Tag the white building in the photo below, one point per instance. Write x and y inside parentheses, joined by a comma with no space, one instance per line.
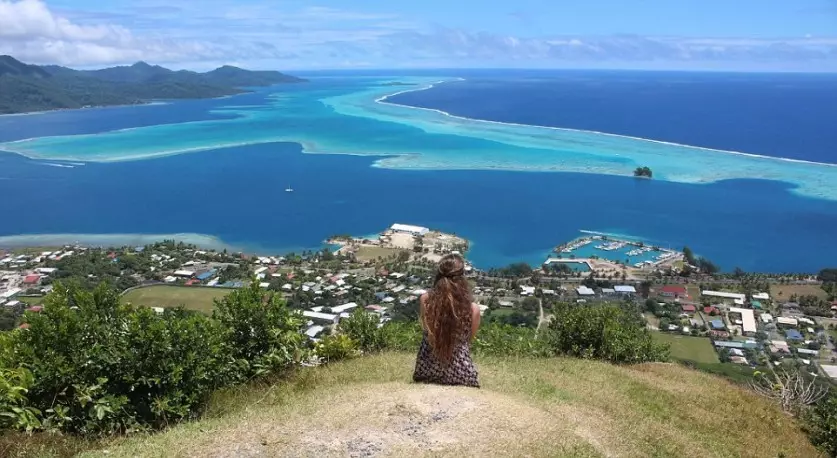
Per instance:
(737,298)
(766,318)
(761,296)
(184,273)
(46,270)
(343,308)
(625,289)
(322,317)
(170,279)
(748,320)
(415,230)
(527,290)
(584,291)
(783,320)
(260,270)
(313,331)
(10,293)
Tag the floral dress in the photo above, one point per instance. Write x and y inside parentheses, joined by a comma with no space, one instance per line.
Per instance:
(461,369)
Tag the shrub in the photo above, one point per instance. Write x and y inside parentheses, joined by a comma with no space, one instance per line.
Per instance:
(336,347)
(505,340)
(822,425)
(605,332)
(264,332)
(103,367)
(402,336)
(363,328)
(15,412)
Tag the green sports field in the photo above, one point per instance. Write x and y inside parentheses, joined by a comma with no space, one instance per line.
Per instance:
(192,298)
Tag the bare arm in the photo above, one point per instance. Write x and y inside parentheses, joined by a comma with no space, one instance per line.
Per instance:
(475,320)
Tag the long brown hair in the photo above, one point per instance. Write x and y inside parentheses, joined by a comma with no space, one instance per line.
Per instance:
(447,310)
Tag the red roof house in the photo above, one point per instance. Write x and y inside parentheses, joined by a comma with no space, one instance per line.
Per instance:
(36,309)
(24,326)
(688,308)
(31,279)
(710,309)
(192,282)
(673,291)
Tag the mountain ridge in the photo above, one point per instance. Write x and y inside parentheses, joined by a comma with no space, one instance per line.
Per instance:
(29,88)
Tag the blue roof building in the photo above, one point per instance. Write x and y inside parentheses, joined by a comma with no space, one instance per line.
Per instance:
(793,334)
(717,324)
(206,275)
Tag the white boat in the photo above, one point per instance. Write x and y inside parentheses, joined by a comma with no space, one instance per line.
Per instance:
(289,189)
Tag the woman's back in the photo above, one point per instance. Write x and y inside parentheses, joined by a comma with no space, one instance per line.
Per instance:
(449,322)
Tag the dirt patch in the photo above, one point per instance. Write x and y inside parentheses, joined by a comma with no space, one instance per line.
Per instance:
(399,420)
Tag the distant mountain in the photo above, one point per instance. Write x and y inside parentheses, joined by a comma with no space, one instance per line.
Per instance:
(25,88)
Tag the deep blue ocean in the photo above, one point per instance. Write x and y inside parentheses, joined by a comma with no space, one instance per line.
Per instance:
(236,193)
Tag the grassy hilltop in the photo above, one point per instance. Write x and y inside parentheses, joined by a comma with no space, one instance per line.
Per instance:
(531,407)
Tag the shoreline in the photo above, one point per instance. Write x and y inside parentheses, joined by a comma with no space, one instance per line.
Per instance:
(384,100)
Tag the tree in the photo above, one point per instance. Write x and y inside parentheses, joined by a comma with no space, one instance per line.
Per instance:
(643,172)
(790,390)
(689,256)
(822,425)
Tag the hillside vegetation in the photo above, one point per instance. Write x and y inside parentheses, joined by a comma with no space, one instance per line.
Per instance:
(27,88)
(534,407)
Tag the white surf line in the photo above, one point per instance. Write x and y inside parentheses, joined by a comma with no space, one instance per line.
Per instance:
(385,101)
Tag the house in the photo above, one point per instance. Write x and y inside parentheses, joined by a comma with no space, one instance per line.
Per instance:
(608,292)
(711,310)
(625,290)
(690,309)
(409,229)
(527,290)
(327,318)
(761,296)
(805,351)
(192,282)
(766,318)
(787,321)
(756,305)
(793,334)
(375,308)
(32,279)
(748,320)
(46,270)
(735,298)
(183,273)
(673,291)
(717,324)
(779,346)
(170,279)
(313,331)
(205,275)
(343,308)
(584,291)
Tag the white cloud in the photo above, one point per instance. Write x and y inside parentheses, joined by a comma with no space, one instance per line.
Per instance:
(30,31)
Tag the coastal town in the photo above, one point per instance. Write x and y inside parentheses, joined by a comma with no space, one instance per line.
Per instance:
(777,321)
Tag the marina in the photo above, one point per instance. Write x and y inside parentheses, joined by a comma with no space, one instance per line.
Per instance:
(630,253)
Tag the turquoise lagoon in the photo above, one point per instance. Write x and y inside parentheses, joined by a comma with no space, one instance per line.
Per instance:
(351,116)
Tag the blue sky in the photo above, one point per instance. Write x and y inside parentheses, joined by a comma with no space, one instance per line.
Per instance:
(784,35)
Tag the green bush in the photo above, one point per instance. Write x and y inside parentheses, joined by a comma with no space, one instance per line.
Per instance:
(103,367)
(402,336)
(505,340)
(605,332)
(263,331)
(822,425)
(363,328)
(100,367)
(15,413)
(335,347)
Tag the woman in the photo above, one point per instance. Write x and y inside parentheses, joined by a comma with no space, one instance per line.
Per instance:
(450,321)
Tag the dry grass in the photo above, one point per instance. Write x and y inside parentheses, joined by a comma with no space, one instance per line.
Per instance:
(527,407)
(372,253)
(783,293)
(192,298)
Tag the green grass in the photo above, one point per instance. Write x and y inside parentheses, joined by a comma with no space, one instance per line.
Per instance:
(31,300)
(192,298)
(531,407)
(687,348)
